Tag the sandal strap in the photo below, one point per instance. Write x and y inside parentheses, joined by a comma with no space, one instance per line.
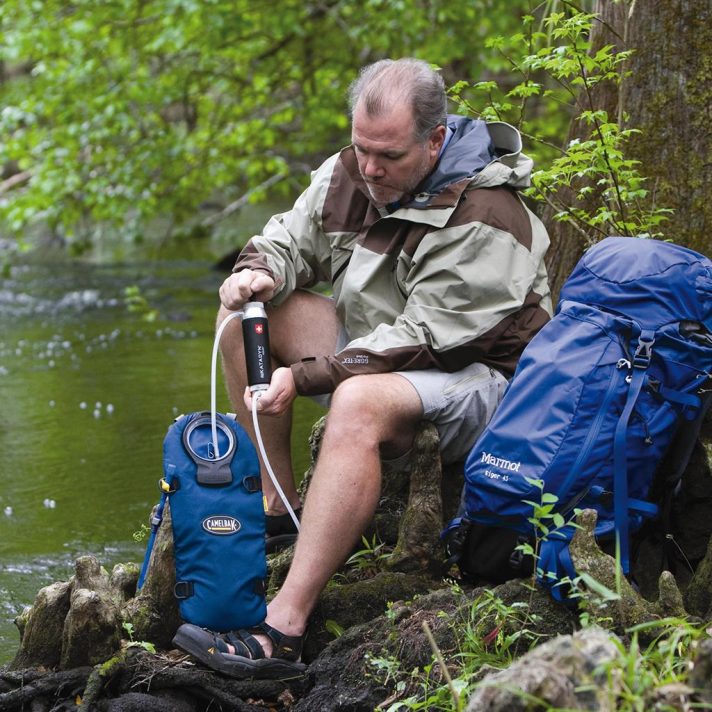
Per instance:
(244,642)
(286,647)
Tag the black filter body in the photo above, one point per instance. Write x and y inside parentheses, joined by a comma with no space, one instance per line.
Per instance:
(255,333)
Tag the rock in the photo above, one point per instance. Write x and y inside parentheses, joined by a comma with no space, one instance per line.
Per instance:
(361,669)
(41,629)
(92,630)
(92,627)
(124,578)
(701,673)
(566,672)
(352,604)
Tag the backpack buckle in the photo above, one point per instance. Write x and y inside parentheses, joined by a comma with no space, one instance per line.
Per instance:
(644,352)
(454,540)
(183,589)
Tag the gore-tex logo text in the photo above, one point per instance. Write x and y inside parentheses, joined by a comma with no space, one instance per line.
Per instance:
(489,459)
(358,360)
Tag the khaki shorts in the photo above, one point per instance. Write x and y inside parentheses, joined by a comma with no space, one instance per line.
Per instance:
(459,404)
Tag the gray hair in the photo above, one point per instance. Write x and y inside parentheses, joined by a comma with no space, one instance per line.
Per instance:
(383,84)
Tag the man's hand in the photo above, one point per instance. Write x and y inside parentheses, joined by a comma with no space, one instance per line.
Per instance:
(238,288)
(278,397)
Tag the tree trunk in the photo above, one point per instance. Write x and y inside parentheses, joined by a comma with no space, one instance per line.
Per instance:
(667,95)
(567,242)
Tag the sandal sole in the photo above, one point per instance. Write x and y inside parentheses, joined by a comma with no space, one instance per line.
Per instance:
(198,643)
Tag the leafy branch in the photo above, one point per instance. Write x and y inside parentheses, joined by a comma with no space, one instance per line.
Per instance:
(590,183)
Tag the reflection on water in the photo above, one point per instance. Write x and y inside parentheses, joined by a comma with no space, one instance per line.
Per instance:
(87,392)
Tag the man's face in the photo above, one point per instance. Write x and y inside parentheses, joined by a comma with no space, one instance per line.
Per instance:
(390,159)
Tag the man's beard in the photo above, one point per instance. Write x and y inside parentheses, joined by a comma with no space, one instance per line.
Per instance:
(385,193)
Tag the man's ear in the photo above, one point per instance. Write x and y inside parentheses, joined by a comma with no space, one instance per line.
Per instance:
(436,139)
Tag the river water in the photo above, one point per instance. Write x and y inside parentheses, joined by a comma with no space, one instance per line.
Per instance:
(87,391)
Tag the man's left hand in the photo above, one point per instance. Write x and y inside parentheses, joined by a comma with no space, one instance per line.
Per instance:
(278,397)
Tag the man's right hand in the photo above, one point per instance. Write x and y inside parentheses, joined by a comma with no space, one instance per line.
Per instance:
(239,288)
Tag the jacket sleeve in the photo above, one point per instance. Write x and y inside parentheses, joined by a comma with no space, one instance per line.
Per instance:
(473,293)
(292,247)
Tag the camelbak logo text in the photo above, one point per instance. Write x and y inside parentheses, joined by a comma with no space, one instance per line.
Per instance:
(221,525)
(500,462)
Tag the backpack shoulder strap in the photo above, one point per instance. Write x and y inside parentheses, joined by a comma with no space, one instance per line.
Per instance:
(641,361)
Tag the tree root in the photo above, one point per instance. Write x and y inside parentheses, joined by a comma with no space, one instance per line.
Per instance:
(629,608)
(33,684)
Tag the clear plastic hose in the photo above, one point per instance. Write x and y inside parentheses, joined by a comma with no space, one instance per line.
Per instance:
(256,393)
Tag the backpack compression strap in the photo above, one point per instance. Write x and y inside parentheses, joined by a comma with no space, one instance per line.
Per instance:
(166,488)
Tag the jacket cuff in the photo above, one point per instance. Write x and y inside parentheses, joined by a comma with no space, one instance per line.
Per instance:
(313,376)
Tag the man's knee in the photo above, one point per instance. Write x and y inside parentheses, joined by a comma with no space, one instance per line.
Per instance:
(380,403)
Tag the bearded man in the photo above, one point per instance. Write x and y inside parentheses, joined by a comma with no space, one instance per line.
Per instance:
(437,276)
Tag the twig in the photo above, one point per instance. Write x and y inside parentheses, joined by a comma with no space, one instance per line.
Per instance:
(441,662)
(242,200)
(14,180)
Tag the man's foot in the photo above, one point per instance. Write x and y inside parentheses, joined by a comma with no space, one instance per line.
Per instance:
(280,531)
(247,657)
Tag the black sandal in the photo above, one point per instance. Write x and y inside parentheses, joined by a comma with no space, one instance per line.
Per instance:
(248,660)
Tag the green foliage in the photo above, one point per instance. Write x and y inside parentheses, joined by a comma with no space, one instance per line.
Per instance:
(141,533)
(136,303)
(131,110)
(495,634)
(333,627)
(544,518)
(547,522)
(370,559)
(492,634)
(129,628)
(589,183)
(665,660)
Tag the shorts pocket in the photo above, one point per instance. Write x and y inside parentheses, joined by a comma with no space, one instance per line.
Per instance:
(485,374)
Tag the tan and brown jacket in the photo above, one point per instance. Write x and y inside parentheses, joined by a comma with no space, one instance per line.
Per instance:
(452,276)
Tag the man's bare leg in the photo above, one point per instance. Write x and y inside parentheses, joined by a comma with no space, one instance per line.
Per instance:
(370,417)
(305,325)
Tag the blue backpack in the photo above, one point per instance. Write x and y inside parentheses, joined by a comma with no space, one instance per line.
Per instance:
(592,408)
(217,516)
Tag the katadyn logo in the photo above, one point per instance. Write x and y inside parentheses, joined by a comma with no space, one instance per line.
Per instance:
(222,525)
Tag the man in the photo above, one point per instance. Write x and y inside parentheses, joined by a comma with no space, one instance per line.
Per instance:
(438,284)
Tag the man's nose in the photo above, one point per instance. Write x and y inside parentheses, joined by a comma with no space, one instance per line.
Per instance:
(373,168)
